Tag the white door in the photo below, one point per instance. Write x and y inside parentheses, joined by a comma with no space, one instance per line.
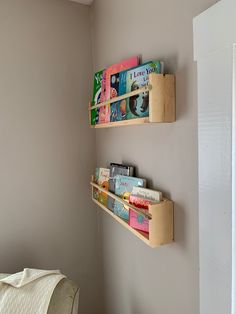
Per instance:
(214,39)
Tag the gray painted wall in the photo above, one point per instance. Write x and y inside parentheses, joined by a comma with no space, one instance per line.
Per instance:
(47,150)
(138,279)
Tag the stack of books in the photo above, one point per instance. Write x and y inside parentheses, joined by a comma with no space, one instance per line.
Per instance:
(120,180)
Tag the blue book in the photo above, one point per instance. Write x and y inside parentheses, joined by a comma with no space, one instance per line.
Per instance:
(137,106)
(123,188)
(116,169)
(116,108)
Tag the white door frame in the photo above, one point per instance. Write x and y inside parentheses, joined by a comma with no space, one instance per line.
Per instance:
(214,39)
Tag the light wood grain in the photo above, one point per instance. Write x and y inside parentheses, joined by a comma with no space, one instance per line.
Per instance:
(162,98)
(161,227)
(139,121)
(141,235)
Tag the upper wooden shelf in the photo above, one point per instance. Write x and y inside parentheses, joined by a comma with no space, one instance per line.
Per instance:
(161,90)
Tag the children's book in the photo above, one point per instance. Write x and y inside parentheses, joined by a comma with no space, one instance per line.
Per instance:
(97,89)
(141,198)
(136,220)
(114,83)
(123,188)
(116,68)
(118,109)
(102,176)
(114,109)
(152,195)
(137,106)
(107,91)
(104,112)
(116,169)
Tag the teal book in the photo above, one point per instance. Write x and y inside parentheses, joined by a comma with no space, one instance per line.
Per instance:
(123,188)
(137,106)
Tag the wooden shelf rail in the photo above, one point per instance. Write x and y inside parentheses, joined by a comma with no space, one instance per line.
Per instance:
(125,96)
(160,216)
(139,211)
(161,89)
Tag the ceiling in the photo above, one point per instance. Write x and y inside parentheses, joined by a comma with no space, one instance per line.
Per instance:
(87,2)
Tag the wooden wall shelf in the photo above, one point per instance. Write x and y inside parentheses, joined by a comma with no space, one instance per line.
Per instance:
(161,90)
(160,217)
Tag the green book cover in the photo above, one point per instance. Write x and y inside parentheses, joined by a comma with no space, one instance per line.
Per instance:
(97,88)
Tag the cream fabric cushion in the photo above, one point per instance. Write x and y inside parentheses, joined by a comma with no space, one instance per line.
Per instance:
(65,298)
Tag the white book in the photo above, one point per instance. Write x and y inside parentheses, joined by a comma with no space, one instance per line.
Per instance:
(152,195)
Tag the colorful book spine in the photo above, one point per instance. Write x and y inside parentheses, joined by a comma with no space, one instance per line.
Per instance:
(123,188)
(137,106)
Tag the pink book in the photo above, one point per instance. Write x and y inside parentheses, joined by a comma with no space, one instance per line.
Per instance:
(137,221)
(104,114)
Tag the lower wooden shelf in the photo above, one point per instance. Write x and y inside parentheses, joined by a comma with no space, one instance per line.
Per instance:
(161,220)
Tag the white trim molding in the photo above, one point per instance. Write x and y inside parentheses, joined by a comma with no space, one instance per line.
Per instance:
(214,39)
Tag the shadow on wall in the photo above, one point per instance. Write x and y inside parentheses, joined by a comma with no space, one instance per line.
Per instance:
(137,305)
(15,258)
(183,98)
(182,83)
(180,225)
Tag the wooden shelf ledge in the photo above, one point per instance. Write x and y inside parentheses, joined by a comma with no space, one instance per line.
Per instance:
(160,215)
(161,89)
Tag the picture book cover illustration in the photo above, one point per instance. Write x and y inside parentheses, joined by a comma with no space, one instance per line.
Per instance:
(136,106)
(102,176)
(116,169)
(114,82)
(123,188)
(136,220)
(118,109)
(104,112)
(141,198)
(107,92)
(97,89)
